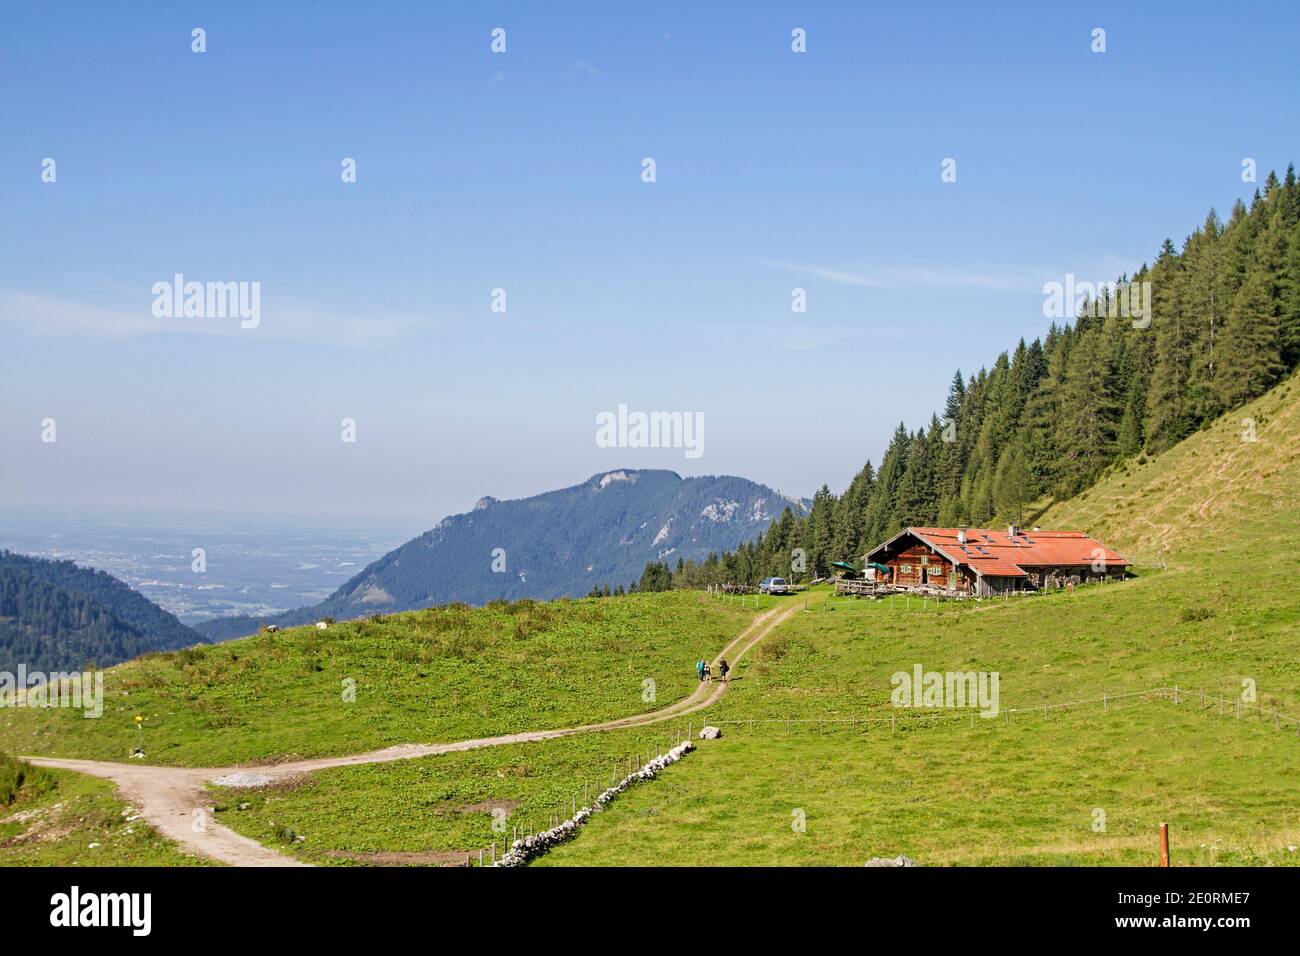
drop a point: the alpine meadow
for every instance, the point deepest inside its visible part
(785, 444)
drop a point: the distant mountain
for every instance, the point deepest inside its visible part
(57, 616)
(602, 531)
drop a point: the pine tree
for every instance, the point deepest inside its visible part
(918, 498)
(1252, 344)
(1051, 416)
(1168, 418)
(1289, 298)
(884, 502)
(820, 522)
(1086, 428)
(1013, 484)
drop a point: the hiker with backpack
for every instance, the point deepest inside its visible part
(723, 669)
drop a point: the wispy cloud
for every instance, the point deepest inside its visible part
(40, 314)
(894, 277)
(585, 68)
(834, 275)
(958, 277)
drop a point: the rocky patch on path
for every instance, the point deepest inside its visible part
(243, 779)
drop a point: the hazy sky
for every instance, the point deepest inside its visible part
(523, 171)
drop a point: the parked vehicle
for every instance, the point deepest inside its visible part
(774, 586)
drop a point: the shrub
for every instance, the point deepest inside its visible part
(774, 649)
(1190, 614)
(19, 780)
(188, 655)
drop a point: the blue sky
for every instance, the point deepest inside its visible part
(522, 171)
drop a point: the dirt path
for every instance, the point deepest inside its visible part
(175, 801)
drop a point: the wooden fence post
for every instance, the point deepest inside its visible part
(893, 721)
(1276, 725)
(1164, 844)
(1105, 704)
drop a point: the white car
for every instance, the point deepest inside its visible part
(774, 586)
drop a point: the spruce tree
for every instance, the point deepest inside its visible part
(1251, 350)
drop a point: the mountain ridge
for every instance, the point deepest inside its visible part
(553, 544)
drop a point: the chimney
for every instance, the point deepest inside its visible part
(1011, 531)
(961, 535)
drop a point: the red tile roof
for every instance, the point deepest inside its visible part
(995, 553)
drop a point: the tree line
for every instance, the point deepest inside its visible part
(1221, 327)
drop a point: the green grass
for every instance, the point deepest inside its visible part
(52, 818)
(1213, 496)
(1115, 638)
(435, 810)
(1214, 606)
(1199, 614)
(1213, 525)
(438, 675)
(1022, 793)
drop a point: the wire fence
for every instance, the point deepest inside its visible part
(901, 719)
(671, 733)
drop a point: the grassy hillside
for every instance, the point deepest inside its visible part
(1197, 614)
(1212, 608)
(1208, 498)
(437, 675)
(1020, 794)
(434, 810)
(1211, 523)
